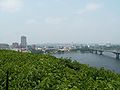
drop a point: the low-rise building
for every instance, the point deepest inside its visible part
(15, 45)
(4, 46)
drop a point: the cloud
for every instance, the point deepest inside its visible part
(10, 5)
(31, 21)
(55, 20)
(91, 7)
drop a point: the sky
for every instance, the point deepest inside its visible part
(60, 21)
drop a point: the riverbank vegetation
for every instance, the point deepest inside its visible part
(28, 71)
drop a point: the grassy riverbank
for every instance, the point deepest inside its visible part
(28, 71)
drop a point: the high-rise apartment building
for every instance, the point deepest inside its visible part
(23, 42)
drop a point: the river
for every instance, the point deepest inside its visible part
(107, 60)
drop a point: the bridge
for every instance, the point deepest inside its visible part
(100, 52)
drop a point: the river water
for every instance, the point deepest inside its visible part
(107, 60)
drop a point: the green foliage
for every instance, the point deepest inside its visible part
(44, 72)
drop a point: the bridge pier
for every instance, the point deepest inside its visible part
(91, 51)
(101, 52)
(117, 55)
(96, 52)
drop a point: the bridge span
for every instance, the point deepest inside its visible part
(100, 52)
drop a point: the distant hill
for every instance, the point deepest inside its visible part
(28, 71)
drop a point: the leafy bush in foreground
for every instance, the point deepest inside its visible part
(44, 72)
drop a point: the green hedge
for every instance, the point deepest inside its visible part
(44, 72)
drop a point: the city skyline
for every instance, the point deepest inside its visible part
(60, 21)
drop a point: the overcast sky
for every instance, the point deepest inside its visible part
(60, 21)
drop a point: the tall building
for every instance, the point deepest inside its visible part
(23, 42)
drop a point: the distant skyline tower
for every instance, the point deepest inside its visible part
(23, 42)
